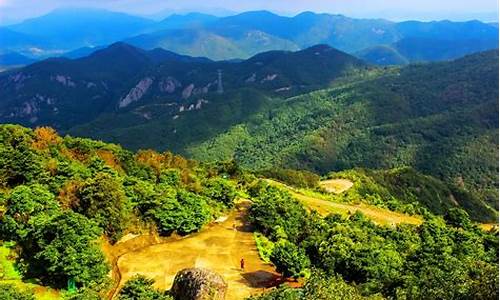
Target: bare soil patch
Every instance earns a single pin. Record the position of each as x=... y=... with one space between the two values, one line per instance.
x=218 y=247
x=336 y=186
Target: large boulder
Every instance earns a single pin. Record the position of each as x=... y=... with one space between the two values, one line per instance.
x=198 y=284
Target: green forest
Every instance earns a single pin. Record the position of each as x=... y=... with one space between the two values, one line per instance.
x=191 y=152
x=440 y=119
x=61 y=196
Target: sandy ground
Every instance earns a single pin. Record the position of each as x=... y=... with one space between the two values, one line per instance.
x=336 y=186
x=219 y=247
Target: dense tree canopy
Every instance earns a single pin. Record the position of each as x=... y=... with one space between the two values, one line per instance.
x=429 y=261
x=141 y=288
x=60 y=195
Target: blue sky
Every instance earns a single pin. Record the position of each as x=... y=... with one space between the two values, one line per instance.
x=487 y=10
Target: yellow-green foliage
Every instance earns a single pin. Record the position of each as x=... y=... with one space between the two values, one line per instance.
x=264 y=246
x=8 y=270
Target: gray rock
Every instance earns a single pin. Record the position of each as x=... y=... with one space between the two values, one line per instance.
x=198 y=284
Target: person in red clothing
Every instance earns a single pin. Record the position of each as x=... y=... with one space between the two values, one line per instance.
x=242 y=264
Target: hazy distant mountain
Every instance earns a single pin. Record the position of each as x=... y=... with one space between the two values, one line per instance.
x=190 y=20
x=201 y=42
x=82 y=52
x=11 y=40
x=420 y=49
x=447 y=30
x=246 y=34
x=165 y=13
x=74 y=28
x=14 y=59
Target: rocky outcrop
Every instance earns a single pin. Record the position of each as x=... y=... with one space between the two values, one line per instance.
x=18 y=79
x=137 y=92
x=198 y=284
x=64 y=80
x=251 y=79
x=200 y=103
x=283 y=89
x=186 y=93
x=269 y=77
x=169 y=85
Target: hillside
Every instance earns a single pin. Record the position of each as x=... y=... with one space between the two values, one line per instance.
x=61 y=198
x=406 y=190
x=88 y=216
x=138 y=87
x=441 y=119
x=424 y=49
x=12 y=59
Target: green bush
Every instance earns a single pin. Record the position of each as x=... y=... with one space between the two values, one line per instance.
x=11 y=292
x=140 y=287
x=264 y=246
x=290 y=260
x=221 y=190
x=64 y=247
x=103 y=199
x=297 y=178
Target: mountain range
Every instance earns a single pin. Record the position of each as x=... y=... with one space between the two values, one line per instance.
x=122 y=78
x=244 y=35
x=319 y=109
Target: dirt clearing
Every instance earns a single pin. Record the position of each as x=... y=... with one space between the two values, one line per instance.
x=219 y=247
x=336 y=186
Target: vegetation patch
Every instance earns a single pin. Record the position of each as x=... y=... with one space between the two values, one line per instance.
x=264 y=246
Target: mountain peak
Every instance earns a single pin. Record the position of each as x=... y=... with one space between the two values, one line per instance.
x=120 y=52
x=257 y=13
x=320 y=47
x=119 y=47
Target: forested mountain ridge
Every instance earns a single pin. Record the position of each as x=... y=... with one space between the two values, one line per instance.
x=438 y=118
x=243 y=35
x=424 y=49
x=64 y=93
x=441 y=119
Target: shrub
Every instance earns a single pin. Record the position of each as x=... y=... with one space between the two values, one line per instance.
x=140 y=287
x=11 y=292
x=221 y=190
x=290 y=260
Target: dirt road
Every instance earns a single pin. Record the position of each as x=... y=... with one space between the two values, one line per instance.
x=378 y=215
